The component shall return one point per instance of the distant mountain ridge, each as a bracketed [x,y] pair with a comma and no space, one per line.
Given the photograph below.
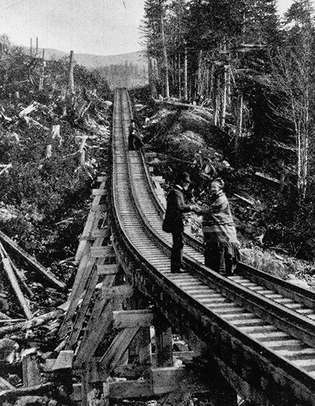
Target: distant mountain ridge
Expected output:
[95,61]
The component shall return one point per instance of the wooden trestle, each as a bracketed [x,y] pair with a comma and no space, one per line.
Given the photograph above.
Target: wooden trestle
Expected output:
[110,327]
[102,309]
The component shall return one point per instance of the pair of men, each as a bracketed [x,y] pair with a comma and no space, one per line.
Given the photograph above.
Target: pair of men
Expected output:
[221,244]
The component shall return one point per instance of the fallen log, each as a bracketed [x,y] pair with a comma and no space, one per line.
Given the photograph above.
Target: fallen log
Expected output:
[267,178]
[36,321]
[14,283]
[5,384]
[31,261]
[11,394]
[244,199]
[28,110]
[4,316]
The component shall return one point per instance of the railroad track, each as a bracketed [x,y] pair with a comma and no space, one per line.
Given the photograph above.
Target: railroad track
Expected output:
[267,342]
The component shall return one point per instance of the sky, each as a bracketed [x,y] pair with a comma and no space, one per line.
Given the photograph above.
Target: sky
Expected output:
[102,27]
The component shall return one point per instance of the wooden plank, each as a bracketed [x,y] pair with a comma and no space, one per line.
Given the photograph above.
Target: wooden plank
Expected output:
[120,291]
[100,233]
[98,192]
[98,306]
[90,225]
[132,318]
[31,261]
[81,312]
[5,384]
[166,379]
[76,395]
[164,342]
[117,349]
[63,361]
[95,336]
[83,273]
[111,269]
[30,368]
[130,390]
[102,252]
[16,287]
[102,178]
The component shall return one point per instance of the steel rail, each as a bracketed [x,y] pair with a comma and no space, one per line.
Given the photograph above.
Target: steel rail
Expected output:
[300,295]
[122,226]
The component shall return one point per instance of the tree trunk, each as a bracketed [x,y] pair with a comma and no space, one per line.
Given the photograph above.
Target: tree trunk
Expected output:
[185,76]
[179,77]
[166,67]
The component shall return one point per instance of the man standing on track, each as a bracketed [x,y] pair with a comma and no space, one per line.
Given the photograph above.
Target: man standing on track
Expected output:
[173,221]
[134,139]
[221,243]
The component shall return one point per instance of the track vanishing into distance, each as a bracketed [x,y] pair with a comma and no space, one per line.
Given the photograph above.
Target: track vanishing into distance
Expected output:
[260,329]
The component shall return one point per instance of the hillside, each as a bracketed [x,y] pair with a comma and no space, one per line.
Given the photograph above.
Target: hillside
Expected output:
[97,61]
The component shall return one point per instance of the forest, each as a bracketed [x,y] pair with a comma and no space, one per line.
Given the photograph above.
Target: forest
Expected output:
[253,73]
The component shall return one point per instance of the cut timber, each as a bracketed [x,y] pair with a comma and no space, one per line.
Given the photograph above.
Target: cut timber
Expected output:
[267,177]
[82,310]
[117,349]
[31,373]
[98,192]
[166,379]
[107,269]
[36,321]
[90,343]
[11,394]
[102,252]
[101,178]
[164,342]
[120,291]
[36,266]
[16,287]
[5,384]
[251,202]
[129,390]
[63,361]
[132,318]
[104,233]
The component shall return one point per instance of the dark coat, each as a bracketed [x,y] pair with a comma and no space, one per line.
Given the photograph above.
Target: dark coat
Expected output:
[175,209]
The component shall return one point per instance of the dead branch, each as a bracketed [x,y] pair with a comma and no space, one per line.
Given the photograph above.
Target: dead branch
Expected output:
[31,261]
[35,322]
[31,390]
[14,282]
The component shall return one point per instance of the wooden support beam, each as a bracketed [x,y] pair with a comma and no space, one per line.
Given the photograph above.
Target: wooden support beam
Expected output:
[102,179]
[30,368]
[98,192]
[63,361]
[81,312]
[83,274]
[120,291]
[166,379]
[111,269]
[15,286]
[129,390]
[132,318]
[94,337]
[102,252]
[98,233]
[164,342]
[117,349]
[31,261]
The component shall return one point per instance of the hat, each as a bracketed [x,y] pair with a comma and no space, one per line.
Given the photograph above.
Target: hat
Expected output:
[183,177]
[217,185]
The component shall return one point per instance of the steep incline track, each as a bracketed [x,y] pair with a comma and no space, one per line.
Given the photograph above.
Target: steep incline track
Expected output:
[266,344]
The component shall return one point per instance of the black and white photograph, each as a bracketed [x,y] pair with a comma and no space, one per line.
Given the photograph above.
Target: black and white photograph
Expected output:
[157,188]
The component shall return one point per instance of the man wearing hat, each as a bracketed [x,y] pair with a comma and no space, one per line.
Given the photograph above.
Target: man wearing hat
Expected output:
[173,222]
[221,243]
